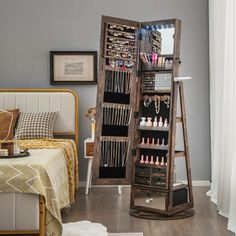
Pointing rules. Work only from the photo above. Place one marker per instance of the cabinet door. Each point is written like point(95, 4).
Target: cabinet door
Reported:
point(154, 132)
point(116, 95)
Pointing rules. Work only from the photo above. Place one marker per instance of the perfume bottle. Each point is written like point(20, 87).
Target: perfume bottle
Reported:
point(149, 121)
point(143, 121)
point(160, 124)
point(155, 124)
point(165, 123)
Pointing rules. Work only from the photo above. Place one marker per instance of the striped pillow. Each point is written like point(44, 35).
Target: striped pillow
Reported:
point(35, 125)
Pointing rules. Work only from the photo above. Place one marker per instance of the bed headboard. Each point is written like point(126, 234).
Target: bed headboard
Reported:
point(64, 101)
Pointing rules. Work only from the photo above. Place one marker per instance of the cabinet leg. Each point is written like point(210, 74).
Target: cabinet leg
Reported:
point(90, 162)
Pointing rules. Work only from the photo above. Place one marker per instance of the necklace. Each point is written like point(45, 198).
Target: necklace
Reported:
point(167, 100)
point(147, 101)
point(157, 102)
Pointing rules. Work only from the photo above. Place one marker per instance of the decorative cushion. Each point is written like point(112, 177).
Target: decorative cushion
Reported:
point(35, 125)
point(5, 121)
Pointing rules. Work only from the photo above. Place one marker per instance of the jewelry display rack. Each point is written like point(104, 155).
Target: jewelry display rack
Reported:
point(116, 98)
point(136, 118)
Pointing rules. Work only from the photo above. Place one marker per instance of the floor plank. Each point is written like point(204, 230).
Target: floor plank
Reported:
point(106, 206)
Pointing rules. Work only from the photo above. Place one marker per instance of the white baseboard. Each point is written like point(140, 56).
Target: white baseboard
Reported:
point(196, 183)
point(199, 183)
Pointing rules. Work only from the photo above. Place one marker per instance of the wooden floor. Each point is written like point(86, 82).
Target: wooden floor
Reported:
point(105, 206)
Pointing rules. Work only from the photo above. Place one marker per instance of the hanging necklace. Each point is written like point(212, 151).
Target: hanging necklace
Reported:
point(167, 100)
point(147, 101)
point(157, 103)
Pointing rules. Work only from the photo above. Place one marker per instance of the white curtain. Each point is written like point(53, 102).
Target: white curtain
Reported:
point(222, 37)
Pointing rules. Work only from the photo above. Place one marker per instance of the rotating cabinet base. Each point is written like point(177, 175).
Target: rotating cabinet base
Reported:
point(158, 216)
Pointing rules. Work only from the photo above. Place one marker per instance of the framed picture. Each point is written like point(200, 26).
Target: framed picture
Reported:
point(78, 67)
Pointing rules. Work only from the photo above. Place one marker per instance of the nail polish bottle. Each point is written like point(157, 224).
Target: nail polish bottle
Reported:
point(148, 141)
point(149, 121)
point(146, 160)
point(158, 142)
point(157, 161)
point(163, 142)
point(142, 159)
point(155, 124)
point(153, 141)
point(151, 162)
point(162, 161)
point(160, 124)
point(143, 143)
point(165, 123)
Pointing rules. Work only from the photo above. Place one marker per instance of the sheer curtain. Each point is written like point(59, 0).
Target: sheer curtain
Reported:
point(222, 37)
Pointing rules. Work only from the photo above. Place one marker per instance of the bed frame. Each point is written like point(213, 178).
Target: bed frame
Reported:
point(65, 102)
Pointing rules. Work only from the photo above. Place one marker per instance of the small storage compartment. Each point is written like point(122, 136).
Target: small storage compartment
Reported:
point(180, 196)
point(142, 171)
point(149, 199)
point(142, 180)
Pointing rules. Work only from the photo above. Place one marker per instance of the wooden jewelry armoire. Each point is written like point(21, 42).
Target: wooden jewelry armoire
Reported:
point(135, 142)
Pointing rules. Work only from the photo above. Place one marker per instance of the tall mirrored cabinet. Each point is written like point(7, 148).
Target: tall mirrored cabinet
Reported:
point(136, 119)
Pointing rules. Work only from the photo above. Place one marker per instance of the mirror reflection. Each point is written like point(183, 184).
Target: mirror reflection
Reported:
point(157, 45)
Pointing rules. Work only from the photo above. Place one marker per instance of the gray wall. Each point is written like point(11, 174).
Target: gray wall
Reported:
point(29, 29)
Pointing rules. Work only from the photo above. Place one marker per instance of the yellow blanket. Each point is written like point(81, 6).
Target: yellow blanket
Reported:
point(38, 174)
point(70, 152)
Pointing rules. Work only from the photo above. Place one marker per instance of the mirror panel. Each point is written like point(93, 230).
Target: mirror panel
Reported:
point(150, 199)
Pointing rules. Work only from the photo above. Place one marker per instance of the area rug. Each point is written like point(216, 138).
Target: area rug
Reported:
point(84, 228)
point(87, 228)
point(125, 234)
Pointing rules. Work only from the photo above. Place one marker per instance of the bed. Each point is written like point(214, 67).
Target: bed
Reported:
point(34, 207)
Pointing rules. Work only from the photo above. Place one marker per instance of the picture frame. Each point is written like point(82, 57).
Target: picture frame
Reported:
point(73, 67)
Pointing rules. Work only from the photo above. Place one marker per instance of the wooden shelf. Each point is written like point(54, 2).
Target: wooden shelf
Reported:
point(127, 46)
point(179, 154)
point(151, 128)
point(158, 176)
point(149, 165)
point(122, 31)
point(120, 38)
point(157, 70)
point(156, 91)
point(119, 58)
point(117, 51)
point(181, 186)
point(122, 25)
point(154, 147)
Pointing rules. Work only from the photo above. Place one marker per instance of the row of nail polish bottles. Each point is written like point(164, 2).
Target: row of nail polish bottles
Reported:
point(151, 160)
point(153, 142)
